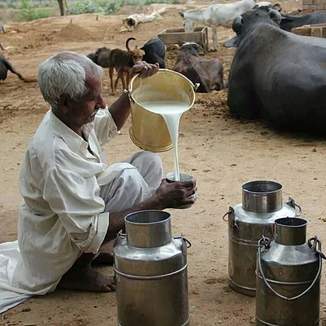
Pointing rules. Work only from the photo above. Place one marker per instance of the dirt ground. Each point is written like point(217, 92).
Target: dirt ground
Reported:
point(222, 153)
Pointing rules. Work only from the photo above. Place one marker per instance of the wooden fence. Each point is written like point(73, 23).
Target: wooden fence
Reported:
point(313, 5)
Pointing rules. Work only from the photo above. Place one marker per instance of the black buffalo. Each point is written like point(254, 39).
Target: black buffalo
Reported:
point(277, 75)
point(154, 52)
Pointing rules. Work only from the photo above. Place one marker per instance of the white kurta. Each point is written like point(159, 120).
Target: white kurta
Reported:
point(67, 193)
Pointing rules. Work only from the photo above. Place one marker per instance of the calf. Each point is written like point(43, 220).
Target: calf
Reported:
point(277, 75)
point(101, 57)
point(207, 72)
point(216, 15)
point(122, 61)
point(5, 66)
point(154, 52)
point(119, 60)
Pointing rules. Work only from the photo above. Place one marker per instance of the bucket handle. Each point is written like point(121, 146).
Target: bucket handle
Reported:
point(196, 86)
point(291, 202)
point(313, 243)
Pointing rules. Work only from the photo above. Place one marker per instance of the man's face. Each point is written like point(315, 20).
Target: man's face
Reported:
point(83, 111)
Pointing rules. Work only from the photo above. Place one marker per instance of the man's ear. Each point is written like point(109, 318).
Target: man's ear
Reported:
point(64, 103)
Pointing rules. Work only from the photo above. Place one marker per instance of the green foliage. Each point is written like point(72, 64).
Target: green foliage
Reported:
point(28, 12)
point(107, 6)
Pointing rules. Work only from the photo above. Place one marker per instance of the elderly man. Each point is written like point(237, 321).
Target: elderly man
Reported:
point(74, 202)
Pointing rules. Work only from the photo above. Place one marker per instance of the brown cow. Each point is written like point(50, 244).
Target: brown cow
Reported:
point(207, 72)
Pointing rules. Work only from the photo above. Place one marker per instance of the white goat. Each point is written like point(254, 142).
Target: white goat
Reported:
point(216, 15)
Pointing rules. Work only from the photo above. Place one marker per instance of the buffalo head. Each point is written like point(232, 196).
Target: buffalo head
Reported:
point(246, 22)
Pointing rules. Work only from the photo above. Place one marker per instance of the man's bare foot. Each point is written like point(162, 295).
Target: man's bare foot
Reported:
point(103, 258)
point(86, 279)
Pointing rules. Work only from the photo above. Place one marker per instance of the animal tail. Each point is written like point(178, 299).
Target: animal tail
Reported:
point(127, 42)
point(13, 70)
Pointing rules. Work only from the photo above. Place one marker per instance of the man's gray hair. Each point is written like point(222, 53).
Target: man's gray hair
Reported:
point(64, 74)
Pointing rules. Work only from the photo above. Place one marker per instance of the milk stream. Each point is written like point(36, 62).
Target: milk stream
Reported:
point(171, 112)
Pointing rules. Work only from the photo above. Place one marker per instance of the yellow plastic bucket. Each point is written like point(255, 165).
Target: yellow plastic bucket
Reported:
point(149, 131)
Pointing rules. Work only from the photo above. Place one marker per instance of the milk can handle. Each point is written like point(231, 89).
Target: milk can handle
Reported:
point(313, 243)
point(122, 234)
point(185, 240)
point(291, 202)
point(226, 216)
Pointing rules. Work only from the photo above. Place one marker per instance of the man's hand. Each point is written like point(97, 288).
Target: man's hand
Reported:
point(144, 69)
point(175, 194)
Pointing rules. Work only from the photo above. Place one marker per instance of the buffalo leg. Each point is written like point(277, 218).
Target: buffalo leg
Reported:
point(242, 102)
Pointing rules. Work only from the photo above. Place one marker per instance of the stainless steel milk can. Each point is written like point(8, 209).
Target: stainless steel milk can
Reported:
point(151, 272)
point(288, 276)
point(261, 205)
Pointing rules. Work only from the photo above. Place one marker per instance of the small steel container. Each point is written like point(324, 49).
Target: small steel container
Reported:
point(261, 205)
point(151, 272)
point(288, 276)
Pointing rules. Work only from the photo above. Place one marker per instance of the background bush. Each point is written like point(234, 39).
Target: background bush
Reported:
point(34, 9)
point(107, 6)
point(29, 12)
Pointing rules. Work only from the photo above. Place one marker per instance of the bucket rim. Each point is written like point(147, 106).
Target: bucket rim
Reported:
point(167, 217)
point(278, 187)
point(169, 71)
point(301, 222)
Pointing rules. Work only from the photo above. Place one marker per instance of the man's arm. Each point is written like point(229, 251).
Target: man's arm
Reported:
point(120, 110)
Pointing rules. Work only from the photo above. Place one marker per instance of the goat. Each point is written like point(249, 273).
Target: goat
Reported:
point(207, 72)
point(221, 14)
point(122, 61)
point(215, 15)
point(154, 52)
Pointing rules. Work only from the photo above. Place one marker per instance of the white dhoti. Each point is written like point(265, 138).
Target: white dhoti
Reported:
point(122, 186)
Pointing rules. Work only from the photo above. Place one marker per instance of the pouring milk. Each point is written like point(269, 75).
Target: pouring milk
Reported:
point(171, 111)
